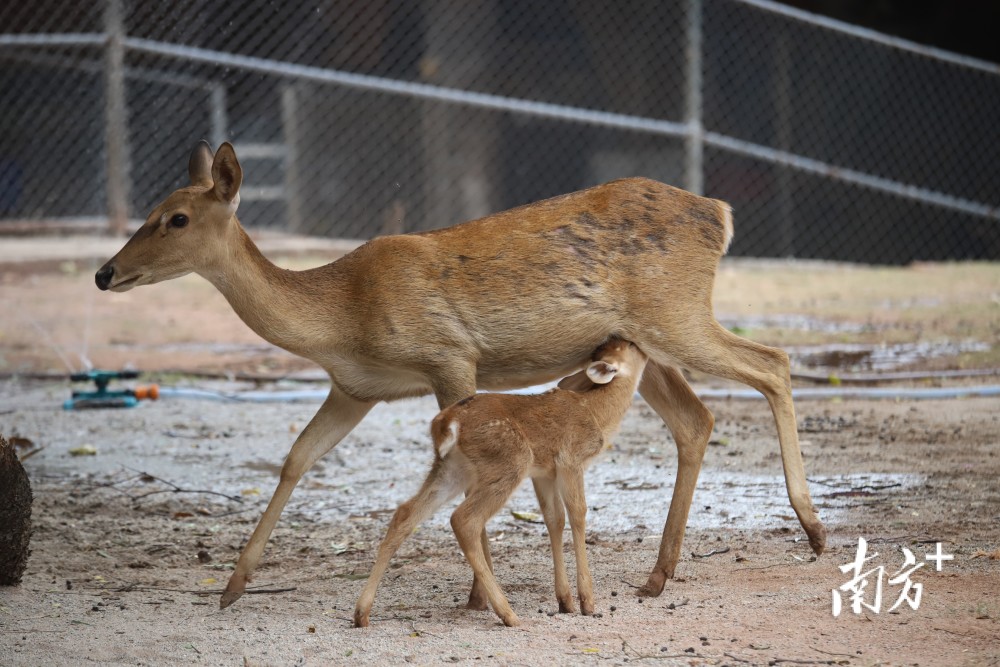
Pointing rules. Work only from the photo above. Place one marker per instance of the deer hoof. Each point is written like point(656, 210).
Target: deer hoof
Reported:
point(231, 595)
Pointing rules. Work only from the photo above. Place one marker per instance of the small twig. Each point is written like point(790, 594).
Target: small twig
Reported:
point(28, 455)
point(628, 583)
point(421, 633)
point(737, 659)
point(713, 552)
point(175, 488)
point(796, 661)
point(952, 632)
point(129, 588)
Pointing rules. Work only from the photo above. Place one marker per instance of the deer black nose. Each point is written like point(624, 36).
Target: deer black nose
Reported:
point(103, 277)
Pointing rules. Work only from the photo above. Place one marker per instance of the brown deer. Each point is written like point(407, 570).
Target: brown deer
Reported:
point(514, 299)
point(485, 445)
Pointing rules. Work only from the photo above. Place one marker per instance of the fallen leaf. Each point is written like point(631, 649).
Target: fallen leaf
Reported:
point(250, 492)
point(591, 650)
point(83, 450)
point(182, 515)
point(311, 629)
point(208, 581)
point(530, 517)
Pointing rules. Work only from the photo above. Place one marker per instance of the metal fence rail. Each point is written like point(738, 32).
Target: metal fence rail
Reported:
point(357, 119)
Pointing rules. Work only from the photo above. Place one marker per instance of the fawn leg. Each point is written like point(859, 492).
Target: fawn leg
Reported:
point(555, 520)
point(571, 490)
point(334, 420)
point(436, 490)
point(469, 524)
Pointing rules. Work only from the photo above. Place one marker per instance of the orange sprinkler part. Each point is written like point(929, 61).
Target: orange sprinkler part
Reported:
point(150, 392)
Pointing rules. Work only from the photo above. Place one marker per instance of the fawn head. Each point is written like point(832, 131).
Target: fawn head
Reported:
point(187, 231)
point(614, 358)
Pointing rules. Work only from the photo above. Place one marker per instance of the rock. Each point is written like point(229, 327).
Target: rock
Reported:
point(15, 516)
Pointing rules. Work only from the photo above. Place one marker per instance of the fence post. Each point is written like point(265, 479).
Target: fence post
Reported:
point(116, 118)
point(292, 138)
point(693, 144)
point(783, 115)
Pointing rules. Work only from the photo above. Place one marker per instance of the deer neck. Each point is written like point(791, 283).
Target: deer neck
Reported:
point(278, 304)
point(609, 402)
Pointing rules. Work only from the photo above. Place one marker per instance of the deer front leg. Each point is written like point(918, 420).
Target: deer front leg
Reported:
point(338, 415)
point(555, 520)
point(452, 385)
point(690, 422)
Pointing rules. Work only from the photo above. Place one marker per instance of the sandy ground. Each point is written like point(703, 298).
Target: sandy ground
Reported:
point(133, 543)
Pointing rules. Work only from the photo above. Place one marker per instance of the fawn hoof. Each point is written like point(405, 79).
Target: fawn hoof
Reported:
point(566, 606)
point(477, 602)
point(654, 585)
point(511, 621)
point(586, 608)
point(360, 619)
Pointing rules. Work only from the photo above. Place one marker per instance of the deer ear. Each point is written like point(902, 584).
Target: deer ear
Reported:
point(227, 174)
point(601, 372)
point(200, 165)
point(578, 382)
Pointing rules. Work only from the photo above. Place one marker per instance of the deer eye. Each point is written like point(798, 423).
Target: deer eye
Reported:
point(179, 220)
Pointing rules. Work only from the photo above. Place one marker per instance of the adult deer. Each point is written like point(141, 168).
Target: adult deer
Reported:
point(514, 299)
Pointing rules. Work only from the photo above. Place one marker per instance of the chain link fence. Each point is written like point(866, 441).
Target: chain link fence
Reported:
point(354, 119)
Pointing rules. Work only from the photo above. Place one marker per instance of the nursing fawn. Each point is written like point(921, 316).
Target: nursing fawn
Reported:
point(485, 445)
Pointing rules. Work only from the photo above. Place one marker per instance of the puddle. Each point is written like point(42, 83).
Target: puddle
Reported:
point(857, 357)
point(625, 497)
point(797, 323)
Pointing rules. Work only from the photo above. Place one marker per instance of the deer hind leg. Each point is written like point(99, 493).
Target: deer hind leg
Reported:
point(690, 422)
point(766, 369)
point(469, 524)
point(443, 483)
point(554, 513)
point(336, 418)
point(720, 352)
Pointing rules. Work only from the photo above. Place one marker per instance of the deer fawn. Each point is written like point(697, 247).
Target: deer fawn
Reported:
point(487, 444)
point(514, 299)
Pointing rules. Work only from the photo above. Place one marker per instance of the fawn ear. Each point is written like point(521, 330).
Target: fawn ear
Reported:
point(601, 372)
point(227, 175)
point(200, 165)
point(578, 382)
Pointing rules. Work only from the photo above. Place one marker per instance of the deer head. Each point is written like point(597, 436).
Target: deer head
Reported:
point(186, 232)
point(615, 357)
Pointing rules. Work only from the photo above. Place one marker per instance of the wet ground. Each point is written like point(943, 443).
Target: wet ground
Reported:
point(134, 541)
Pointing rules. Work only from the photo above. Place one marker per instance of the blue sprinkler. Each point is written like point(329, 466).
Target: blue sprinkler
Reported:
point(105, 398)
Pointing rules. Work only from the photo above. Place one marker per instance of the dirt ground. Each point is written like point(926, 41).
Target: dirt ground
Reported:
point(133, 543)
